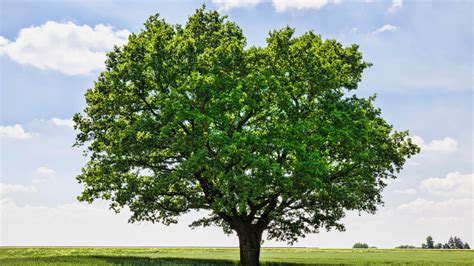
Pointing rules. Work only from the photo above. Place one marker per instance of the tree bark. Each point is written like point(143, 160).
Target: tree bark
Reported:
point(249, 242)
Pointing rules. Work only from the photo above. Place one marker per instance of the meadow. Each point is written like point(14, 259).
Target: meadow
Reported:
point(228, 256)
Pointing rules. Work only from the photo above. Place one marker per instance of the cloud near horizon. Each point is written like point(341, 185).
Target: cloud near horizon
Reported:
point(15, 188)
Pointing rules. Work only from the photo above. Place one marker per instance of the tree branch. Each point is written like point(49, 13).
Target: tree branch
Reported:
point(244, 120)
point(186, 130)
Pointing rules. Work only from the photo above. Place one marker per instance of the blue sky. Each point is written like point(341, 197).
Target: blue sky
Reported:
point(52, 51)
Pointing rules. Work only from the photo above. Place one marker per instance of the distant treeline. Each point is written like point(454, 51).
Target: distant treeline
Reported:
point(453, 243)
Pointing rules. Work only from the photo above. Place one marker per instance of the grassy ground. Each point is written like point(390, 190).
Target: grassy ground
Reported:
point(229, 256)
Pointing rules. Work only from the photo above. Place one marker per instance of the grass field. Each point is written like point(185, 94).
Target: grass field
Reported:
point(229, 256)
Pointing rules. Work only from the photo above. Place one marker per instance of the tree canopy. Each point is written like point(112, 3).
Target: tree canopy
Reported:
point(429, 242)
point(360, 245)
point(264, 138)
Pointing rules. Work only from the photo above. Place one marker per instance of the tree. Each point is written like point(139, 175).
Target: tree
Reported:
point(360, 245)
point(466, 246)
point(458, 243)
point(406, 247)
point(438, 246)
point(451, 243)
point(185, 118)
point(429, 242)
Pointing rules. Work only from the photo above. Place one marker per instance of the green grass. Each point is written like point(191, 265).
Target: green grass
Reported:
point(229, 256)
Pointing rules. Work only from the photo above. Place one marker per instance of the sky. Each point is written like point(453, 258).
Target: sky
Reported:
point(52, 51)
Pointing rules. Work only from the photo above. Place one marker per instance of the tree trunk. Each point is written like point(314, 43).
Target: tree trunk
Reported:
point(249, 247)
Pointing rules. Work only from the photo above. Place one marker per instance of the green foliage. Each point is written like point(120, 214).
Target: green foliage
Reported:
point(429, 242)
point(265, 138)
point(455, 243)
point(458, 243)
point(360, 245)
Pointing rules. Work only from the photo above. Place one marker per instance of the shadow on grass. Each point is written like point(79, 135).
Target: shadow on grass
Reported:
point(131, 261)
point(140, 261)
point(185, 262)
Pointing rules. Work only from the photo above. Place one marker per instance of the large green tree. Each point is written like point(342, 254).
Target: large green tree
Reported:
point(266, 139)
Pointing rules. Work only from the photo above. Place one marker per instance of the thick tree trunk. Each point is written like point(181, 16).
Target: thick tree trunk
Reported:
point(249, 247)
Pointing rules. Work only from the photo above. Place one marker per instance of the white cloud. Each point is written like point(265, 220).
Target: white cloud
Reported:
point(65, 47)
point(14, 188)
point(446, 145)
point(396, 5)
point(229, 4)
point(3, 41)
point(283, 5)
point(437, 208)
point(408, 191)
point(42, 174)
point(62, 122)
point(44, 171)
point(386, 28)
point(14, 132)
point(454, 185)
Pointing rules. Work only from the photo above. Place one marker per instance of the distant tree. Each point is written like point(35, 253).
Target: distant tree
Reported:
point(438, 246)
point(458, 243)
point(423, 245)
point(466, 246)
point(406, 247)
point(429, 242)
point(446, 246)
point(451, 243)
point(360, 245)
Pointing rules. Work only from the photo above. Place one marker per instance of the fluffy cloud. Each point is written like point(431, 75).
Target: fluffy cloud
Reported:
point(386, 28)
point(65, 47)
point(454, 185)
point(396, 5)
point(42, 174)
point(62, 122)
point(3, 41)
point(437, 208)
point(229, 4)
point(14, 132)
point(14, 188)
point(446, 145)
